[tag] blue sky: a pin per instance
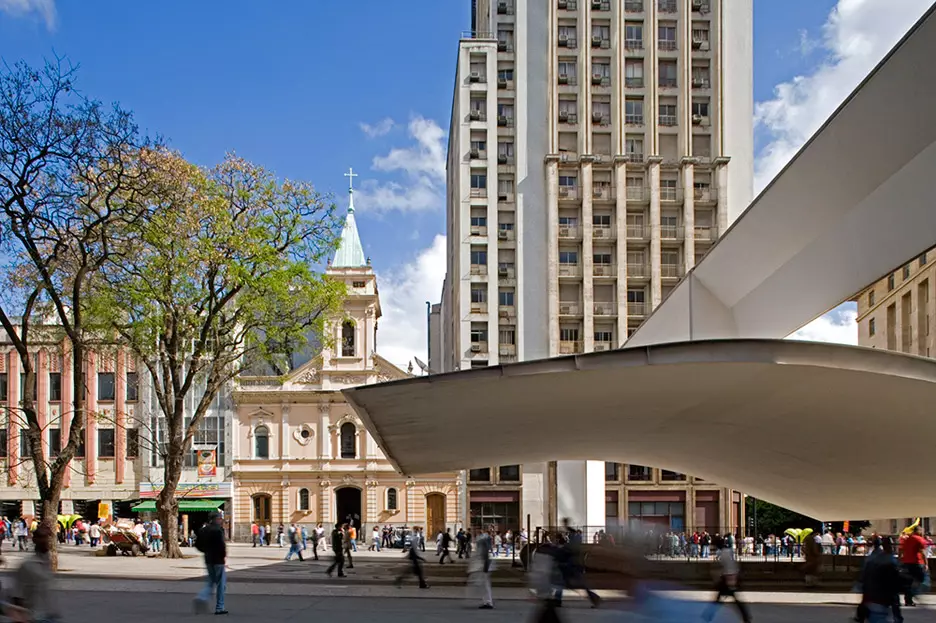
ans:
(308, 89)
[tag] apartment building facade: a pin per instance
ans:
(897, 313)
(597, 149)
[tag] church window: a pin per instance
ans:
(391, 499)
(262, 442)
(348, 435)
(358, 284)
(347, 339)
(303, 499)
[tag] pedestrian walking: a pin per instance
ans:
(444, 545)
(294, 543)
(416, 566)
(35, 596)
(211, 543)
(727, 584)
(347, 544)
(261, 534)
(254, 533)
(913, 558)
(337, 543)
(481, 569)
(316, 537)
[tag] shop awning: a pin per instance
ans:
(149, 506)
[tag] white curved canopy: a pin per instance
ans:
(834, 432)
(854, 204)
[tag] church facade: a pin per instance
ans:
(300, 452)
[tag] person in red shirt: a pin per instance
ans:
(913, 558)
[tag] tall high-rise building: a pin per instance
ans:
(597, 149)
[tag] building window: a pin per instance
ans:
(890, 282)
(505, 298)
(633, 112)
(671, 476)
(871, 298)
(3, 387)
(133, 443)
(391, 499)
(55, 386)
(133, 387)
(106, 439)
(906, 272)
(3, 443)
(22, 386)
(25, 447)
(611, 506)
(480, 475)
(639, 472)
(633, 35)
(303, 499)
(872, 328)
(262, 442)
(55, 441)
(106, 386)
(348, 437)
(80, 450)
(347, 339)
(568, 257)
(671, 514)
(612, 472)
(479, 295)
(479, 333)
(479, 257)
(508, 473)
(923, 260)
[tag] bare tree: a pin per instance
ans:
(66, 195)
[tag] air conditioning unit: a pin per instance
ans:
(565, 310)
(501, 46)
(704, 46)
(597, 117)
(698, 83)
(501, 158)
(563, 191)
(601, 347)
(599, 311)
(502, 235)
(502, 196)
(563, 79)
(475, 76)
(476, 348)
(596, 78)
(696, 5)
(563, 4)
(474, 153)
(563, 116)
(502, 120)
(474, 115)
(502, 8)
(504, 313)
(600, 270)
(477, 309)
(596, 42)
(600, 233)
(563, 41)
(697, 119)
(503, 272)
(596, 4)
(564, 232)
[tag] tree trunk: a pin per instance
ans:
(48, 513)
(168, 506)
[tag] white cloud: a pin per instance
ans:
(420, 167)
(403, 295)
(855, 37)
(378, 129)
(839, 326)
(20, 8)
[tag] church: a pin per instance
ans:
(301, 455)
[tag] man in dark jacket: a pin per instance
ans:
(211, 543)
(445, 544)
(337, 543)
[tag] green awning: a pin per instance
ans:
(149, 506)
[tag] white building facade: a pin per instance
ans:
(597, 149)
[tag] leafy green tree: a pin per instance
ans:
(66, 190)
(773, 519)
(220, 279)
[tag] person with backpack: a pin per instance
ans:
(211, 543)
(295, 546)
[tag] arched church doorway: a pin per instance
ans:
(435, 515)
(348, 506)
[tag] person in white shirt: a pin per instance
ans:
(94, 533)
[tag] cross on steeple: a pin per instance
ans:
(350, 175)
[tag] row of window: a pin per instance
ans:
(614, 472)
(505, 473)
(348, 448)
(635, 34)
(391, 498)
(106, 443)
(106, 386)
(630, 6)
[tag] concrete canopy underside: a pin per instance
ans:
(854, 204)
(817, 428)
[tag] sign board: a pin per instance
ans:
(104, 510)
(190, 490)
(207, 463)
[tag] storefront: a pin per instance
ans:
(500, 509)
(197, 501)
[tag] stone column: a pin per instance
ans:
(656, 288)
(284, 432)
(120, 408)
(552, 253)
(370, 516)
(324, 432)
(620, 195)
(588, 259)
(689, 211)
(285, 502)
(325, 513)
(90, 421)
(721, 174)
(360, 439)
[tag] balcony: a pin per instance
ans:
(479, 269)
(567, 5)
(634, 120)
(507, 350)
(667, 121)
(600, 346)
(633, 6)
(569, 232)
(603, 232)
(506, 271)
(671, 232)
(506, 311)
(570, 348)
(479, 308)
(602, 192)
(479, 193)
(672, 271)
(570, 270)
(666, 6)
(636, 309)
(568, 192)
(476, 115)
(670, 193)
(702, 195)
(638, 271)
(604, 270)
(666, 45)
(570, 308)
(637, 193)
(701, 83)
(568, 117)
(668, 83)
(637, 232)
(478, 347)
(505, 235)
(505, 121)
(479, 230)
(566, 80)
(605, 308)
(705, 234)
(633, 44)
(634, 83)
